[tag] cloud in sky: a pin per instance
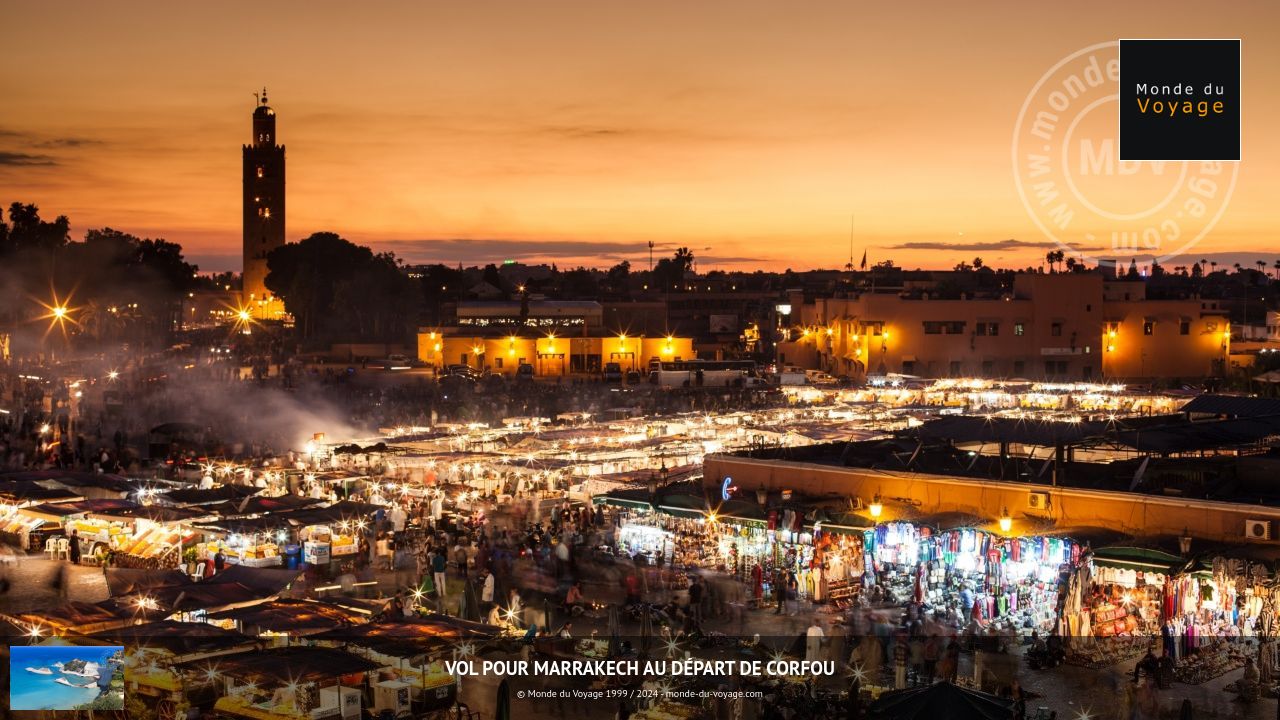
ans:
(495, 250)
(978, 245)
(20, 159)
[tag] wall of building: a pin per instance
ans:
(549, 355)
(906, 496)
(1050, 326)
(1163, 338)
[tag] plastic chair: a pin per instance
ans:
(64, 548)
(199, 573)
(51, 547)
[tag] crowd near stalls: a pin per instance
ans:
(955, 575)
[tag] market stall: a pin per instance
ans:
(968, 574)
(153, 653)
(411, 653)
(158, 535)
(1122, 601)
(288, 683)
(24, 531)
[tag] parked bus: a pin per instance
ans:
(705, 373)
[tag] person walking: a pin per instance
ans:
(932, 651)
(695, 598)
(73, 548)
(439, 564)
(486, 591)
(813, 642)
(899, 663)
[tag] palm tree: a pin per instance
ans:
(1262, 266)
(1277, 267)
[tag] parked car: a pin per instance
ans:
(524, 373)
(612, 372)
(463, 371)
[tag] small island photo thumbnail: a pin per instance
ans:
(66, 677)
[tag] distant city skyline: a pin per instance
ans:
(576, 133)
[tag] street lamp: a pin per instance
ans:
(1184, 543)
(876, 507)
(1006, 522)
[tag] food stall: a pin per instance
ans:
(288, 683)
(158, 534)
(411, 653)
(325, 543)
(250, 550)
(153, 655)
(97, 532)
(24, 531)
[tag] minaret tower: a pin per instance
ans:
(263, 210)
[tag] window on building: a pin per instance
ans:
(1019, 368)
(259, 171)
(497, 362)
(988, 368)
(908, 367)
(1088, 307)
(1184, 327)
(1148, 328)
(1087, 373)
(462, 359)
(987, 329)
(1019, 329)
(955, 368)
(944, 327)
(1056, 329)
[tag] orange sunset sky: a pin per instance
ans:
(577, 132)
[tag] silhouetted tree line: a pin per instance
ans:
(336, 289)
(117, 284)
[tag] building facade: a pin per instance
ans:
(555, 337)
(264, 211)
(549, 355)
(1068, 327)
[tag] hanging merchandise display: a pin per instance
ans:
(1120, 602)
(968, 575)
